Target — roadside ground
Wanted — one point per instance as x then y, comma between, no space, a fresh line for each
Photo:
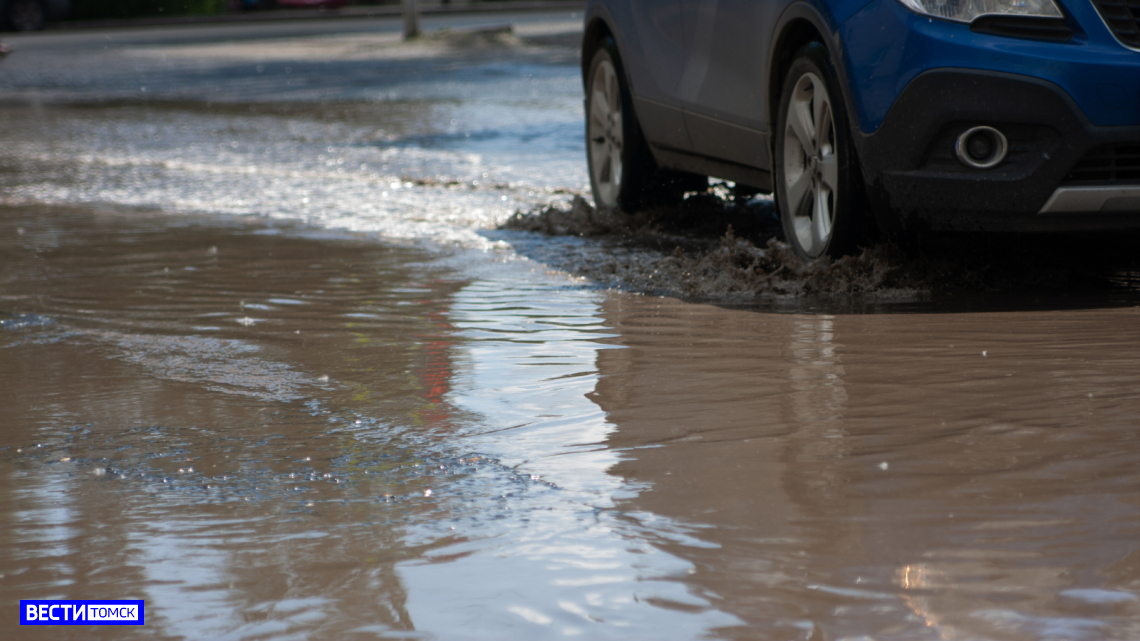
355,12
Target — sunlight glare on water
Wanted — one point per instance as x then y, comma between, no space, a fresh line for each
434,168
525,371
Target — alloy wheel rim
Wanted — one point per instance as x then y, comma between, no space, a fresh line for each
604,134
811,169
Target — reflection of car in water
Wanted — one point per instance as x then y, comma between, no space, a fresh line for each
31,15
948,114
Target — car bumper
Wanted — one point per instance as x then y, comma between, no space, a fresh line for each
916,83
1061,172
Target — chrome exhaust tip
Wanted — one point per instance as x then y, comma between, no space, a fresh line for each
981,147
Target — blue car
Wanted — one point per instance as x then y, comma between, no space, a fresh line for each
985,115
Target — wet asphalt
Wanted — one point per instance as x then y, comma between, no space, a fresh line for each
274,360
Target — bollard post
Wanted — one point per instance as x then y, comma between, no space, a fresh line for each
411,20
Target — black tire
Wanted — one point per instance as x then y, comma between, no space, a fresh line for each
819,187
26,15
623,173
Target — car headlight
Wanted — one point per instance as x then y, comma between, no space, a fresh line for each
968,10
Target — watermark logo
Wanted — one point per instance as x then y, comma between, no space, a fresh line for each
81,612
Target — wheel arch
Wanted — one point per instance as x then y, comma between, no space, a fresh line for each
800,24
597,29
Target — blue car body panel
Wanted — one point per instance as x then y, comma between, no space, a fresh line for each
1096,71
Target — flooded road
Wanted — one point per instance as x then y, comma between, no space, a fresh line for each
269,364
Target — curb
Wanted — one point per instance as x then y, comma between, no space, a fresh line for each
354,12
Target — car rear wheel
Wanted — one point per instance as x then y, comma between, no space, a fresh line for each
818,183
623,172
605,131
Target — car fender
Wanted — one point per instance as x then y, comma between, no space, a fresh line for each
597,13
785,42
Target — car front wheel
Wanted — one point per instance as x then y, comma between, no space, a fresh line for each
818,183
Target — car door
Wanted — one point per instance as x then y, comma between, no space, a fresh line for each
655,54
722,84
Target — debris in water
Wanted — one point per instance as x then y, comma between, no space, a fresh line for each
580,220
713,248
728,268
884,465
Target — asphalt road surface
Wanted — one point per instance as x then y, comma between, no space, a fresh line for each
275,359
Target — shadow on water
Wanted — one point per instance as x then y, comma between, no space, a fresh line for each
713,250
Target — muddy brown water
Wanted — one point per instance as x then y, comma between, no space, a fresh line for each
359,408
272,431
